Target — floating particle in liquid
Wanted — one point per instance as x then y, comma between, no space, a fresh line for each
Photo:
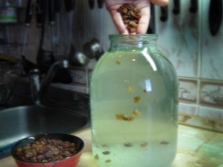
137,112
144,144
107,161
104,145
164,142
120,116
130,89
106,152
137,99
96,156
123,117
130,118
128,144
118,62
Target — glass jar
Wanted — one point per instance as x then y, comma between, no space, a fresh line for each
134,104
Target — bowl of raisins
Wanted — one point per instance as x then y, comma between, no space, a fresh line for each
48,150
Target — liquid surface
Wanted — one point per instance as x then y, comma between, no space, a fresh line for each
134,111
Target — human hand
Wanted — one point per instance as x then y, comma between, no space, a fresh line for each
143,5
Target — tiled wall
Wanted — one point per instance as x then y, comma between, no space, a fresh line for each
184,38
197,57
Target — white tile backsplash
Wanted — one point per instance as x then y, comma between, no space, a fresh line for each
197,57
179,38
212,50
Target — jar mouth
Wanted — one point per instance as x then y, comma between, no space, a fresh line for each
133,37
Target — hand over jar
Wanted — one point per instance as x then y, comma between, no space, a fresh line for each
143,6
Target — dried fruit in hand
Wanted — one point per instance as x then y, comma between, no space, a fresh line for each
130,16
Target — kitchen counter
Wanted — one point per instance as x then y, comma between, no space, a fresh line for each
196,148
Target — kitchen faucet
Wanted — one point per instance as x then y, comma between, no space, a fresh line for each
38,89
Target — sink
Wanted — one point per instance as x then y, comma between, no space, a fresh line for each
23,121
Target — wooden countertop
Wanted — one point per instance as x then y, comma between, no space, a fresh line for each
196,148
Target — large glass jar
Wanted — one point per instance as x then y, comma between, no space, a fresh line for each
134,104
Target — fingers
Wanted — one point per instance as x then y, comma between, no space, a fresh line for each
117,19
160,2
144,21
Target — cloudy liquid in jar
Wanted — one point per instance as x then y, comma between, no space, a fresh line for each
133,114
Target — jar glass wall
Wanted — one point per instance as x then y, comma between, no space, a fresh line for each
134,104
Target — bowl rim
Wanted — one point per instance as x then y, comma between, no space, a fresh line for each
32,138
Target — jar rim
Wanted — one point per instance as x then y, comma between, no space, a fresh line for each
135,37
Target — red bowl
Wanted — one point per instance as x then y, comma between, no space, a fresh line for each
71,161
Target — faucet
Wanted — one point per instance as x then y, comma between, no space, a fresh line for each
38,89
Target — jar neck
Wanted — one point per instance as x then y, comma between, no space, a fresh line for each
136,41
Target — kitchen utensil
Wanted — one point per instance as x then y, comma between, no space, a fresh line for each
91,48
58,4
100,52
40,14
51,12
164,13
56,38
100,3
91,4
27,65
29,13
215,16
45,58
69,7
61,141
151,28
62,75
52,22
51,19
76,58
193,6
176,7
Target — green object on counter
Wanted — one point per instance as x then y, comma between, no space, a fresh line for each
134,104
